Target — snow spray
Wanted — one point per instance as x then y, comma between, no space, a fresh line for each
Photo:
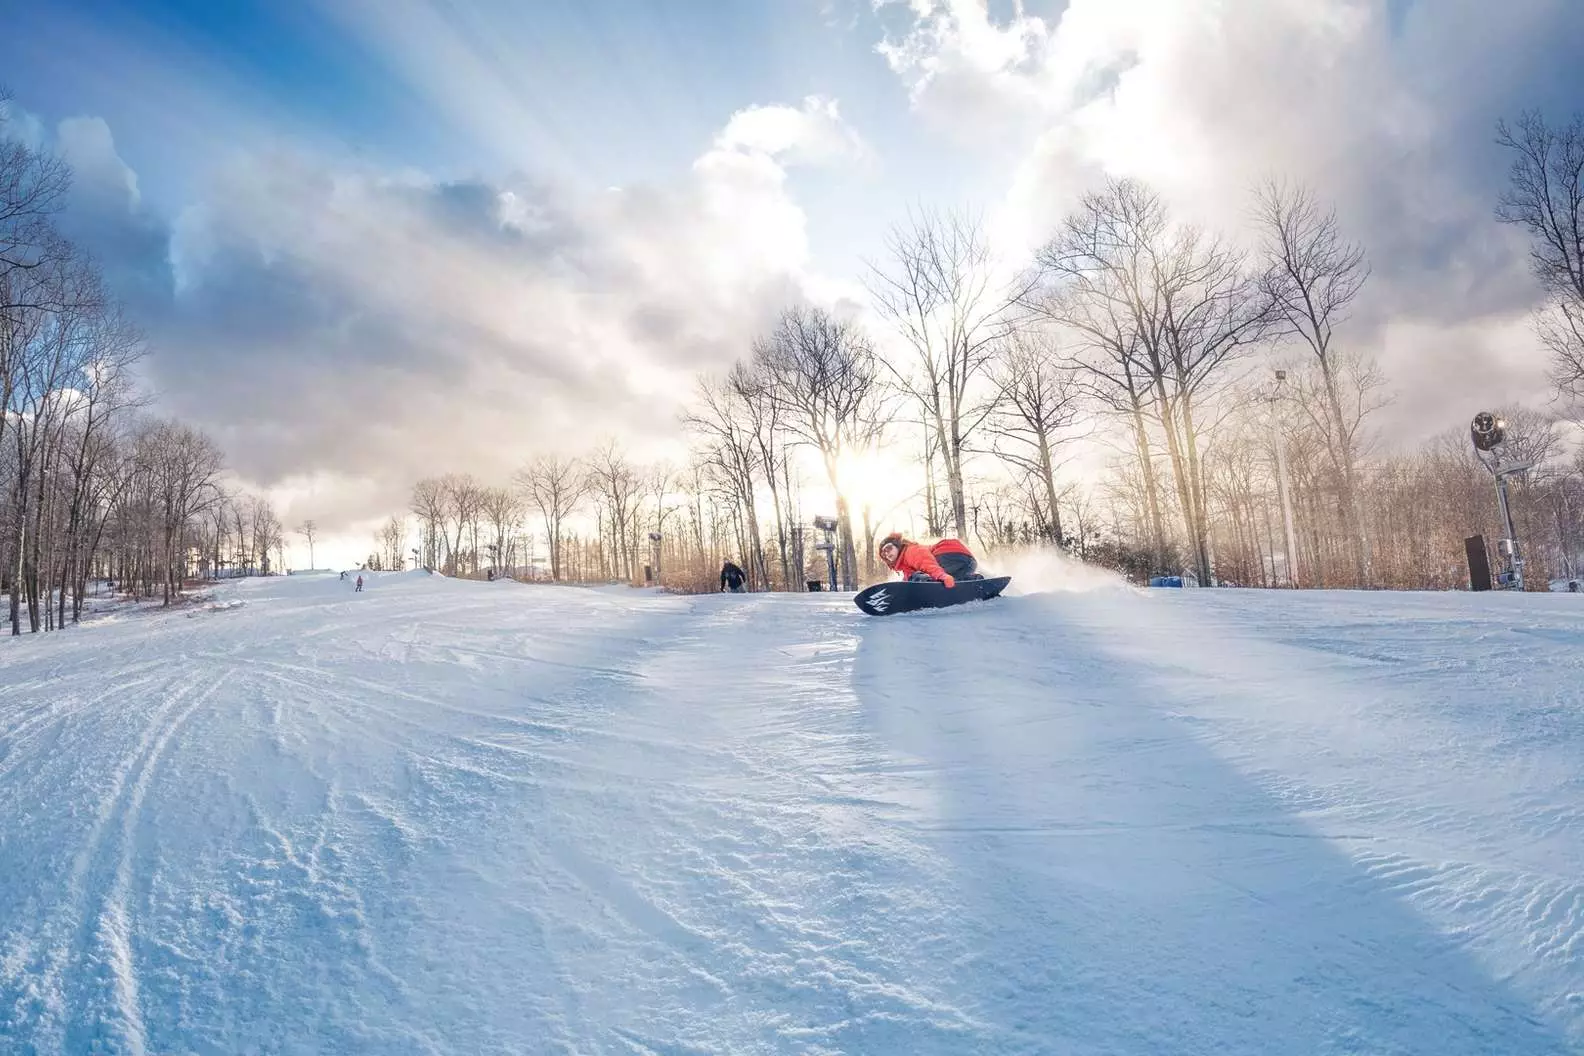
1046,569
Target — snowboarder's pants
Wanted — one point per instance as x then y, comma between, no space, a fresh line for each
958,566
736,588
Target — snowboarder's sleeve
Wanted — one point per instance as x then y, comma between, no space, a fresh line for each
921,559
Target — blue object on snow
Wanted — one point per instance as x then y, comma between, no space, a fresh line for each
1166,581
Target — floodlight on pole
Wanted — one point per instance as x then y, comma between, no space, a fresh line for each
828,525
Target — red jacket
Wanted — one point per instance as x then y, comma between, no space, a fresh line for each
916,558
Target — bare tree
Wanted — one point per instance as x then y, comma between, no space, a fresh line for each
612,478
183,466
555,485
464,501
942,292
1311,276
1561,332
1545,198
1040,400
823,372
1097,261
267,532
763,416
392,538
33,188
1179,304
308,530
731,456
503,510
47,351
105,394
660,483
429,505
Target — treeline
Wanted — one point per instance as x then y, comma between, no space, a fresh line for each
1216,371
1214,375
1240,416
91,489
1300,458
600,517
814,382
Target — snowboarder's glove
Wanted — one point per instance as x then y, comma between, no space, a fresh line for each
948,580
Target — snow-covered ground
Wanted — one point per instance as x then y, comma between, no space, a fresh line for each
446,817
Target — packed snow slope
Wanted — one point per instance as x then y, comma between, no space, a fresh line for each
449,817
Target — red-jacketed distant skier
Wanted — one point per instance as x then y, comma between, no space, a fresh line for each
947,561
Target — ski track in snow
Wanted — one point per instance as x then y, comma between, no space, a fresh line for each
446,817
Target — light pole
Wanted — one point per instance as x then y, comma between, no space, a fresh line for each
828,526
1282,489
1489,433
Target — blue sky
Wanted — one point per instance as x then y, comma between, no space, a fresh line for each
513,226
602,92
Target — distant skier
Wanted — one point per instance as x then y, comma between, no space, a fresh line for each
733,577
947,561
359,588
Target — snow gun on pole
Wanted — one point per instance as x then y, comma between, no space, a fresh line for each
1489,433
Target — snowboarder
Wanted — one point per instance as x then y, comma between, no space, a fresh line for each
947,561
732,576
359,588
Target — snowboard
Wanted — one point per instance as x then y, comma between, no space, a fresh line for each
888,599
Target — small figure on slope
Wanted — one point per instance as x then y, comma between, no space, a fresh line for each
947,561
733,577
359,588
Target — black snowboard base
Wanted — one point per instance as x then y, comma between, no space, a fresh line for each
888,599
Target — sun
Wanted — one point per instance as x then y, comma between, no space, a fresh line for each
876,480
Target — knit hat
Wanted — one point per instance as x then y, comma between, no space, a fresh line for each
894,539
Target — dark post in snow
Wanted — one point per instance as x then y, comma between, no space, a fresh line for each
1488,432
828,526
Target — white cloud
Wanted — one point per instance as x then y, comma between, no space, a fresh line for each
1386,113
814,133
956,57
20,125
88,147
339,322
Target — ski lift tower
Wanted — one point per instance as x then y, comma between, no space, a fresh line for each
828,547
1489,433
